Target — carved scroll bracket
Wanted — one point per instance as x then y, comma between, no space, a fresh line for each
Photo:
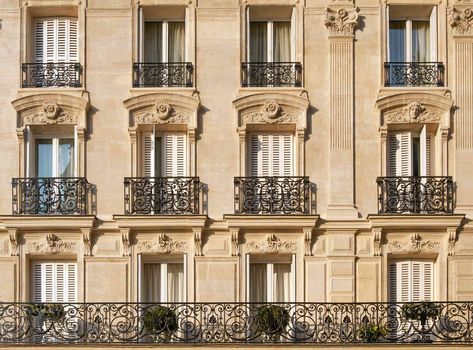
377,235
126,245
87,239
235,232
13,237
308,241
197,241
452,239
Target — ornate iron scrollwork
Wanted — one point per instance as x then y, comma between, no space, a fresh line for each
271,74
176,74
414,74
51,75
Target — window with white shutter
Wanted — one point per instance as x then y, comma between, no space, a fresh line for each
54,282
164,154
56,40
411,281
270,154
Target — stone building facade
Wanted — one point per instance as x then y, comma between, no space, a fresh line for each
291,151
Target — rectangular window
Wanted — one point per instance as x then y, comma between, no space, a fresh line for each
163,282
411,281
270,154
56,40
164,154
54,282
54,157
164,41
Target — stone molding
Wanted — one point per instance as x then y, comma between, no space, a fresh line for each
461,21
415,245
271,245
52,244
413,112
341,21
163,244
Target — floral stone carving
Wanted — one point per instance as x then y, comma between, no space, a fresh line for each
163,244
462,21
272,112
50,113
52,244
414,112
413,246
272,244
341,21
162,112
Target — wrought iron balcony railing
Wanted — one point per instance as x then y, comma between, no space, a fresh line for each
236,323
50,196
162,195
414,74
51,75
271,74
415,195
272,195
176,74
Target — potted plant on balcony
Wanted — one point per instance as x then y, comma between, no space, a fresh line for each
272,320
46,312
421,312
370,332
162,321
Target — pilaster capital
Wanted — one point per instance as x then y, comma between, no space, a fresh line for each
341,22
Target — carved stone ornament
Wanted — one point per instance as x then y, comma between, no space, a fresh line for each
272,113
163,244
377,235
462,21
341,21
162,112
414,246
52,244
272,244
414,112
50,113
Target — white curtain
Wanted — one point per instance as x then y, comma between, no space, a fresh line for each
153,42
282,41
397,41
420,41
258,281
282,283
175,283
258,42
176,42
151,280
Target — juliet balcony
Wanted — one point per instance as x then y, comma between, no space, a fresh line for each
271,74
176,74
210,324
415,195
272,195
162,195
47,75
414,74
50,196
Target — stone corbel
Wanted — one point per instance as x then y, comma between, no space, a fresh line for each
126,246
452,239
13,236
341,21
197,241
87,238
235,241
377,235
307,241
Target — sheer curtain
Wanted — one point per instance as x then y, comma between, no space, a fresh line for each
420,41
44,158
175,283
153,42
151,280
258,42
282,41
258,290
397,41
282,283
66,157
176,42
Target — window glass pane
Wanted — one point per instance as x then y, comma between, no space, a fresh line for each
258,281
258,42
281,283
397,41
415,156
282,41
66,158
151,283
158,156
153,42
176,42
420,41
175,283
44,158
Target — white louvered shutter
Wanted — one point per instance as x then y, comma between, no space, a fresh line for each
392,282
264,161
73,41
148,154
271,155
410,281
56,40
54,282
392,155
429,154
399,154
255,147
174,155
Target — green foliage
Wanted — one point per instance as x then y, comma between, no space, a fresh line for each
53,312
160,319
272,319
370,332
420,311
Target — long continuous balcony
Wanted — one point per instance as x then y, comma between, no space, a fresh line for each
162,195
271,74
272,195
176,74
415,195
236,323
45,75
50,196
411,74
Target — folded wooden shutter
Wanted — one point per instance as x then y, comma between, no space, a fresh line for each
410,281
399,154
174,155
392,282
56,40
148,154
429,154
54,282
255,146
271,155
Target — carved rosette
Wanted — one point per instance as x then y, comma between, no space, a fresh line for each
414,246
50,113
271,113
51,244
341,21
414,112
462,21
272,244
162,112
163,245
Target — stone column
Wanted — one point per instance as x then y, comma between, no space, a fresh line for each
461,20
341,23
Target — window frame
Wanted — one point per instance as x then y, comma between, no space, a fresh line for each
164,40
